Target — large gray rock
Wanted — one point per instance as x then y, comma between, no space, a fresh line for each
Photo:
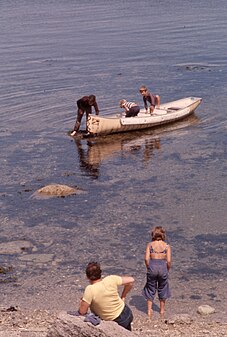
74,326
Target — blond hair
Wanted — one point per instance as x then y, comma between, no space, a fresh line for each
158,233
122,102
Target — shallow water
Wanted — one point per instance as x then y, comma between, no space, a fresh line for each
52,53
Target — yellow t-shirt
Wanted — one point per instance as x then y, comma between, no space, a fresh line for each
104,299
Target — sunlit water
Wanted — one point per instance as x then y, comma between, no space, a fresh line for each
54,52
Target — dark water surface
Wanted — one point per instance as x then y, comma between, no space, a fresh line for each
52,53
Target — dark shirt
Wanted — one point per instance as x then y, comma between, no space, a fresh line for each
83,104
149,98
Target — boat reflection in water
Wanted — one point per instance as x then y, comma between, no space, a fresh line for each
92,151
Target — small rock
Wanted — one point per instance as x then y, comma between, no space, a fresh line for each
4,270
205,309
12,308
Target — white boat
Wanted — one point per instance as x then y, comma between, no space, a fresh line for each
166,113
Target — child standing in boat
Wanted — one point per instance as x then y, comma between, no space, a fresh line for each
131,109
152,99
158,263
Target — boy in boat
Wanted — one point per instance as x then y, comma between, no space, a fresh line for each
153,100
84,104
131,109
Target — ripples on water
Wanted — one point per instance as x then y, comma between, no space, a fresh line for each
56,51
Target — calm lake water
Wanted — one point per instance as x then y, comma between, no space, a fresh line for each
52,53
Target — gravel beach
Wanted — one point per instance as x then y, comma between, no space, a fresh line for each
35,323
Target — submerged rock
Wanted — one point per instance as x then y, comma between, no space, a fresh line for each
37,258
15,247
56,190
5,270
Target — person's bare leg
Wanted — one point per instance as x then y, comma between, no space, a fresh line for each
158,101
76,128
149,308
162,307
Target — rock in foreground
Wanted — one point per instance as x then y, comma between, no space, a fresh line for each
74,326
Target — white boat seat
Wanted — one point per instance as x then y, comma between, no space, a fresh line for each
160,111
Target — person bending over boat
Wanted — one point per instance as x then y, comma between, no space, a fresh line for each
101,295
152,99
84,104
131,109
158,263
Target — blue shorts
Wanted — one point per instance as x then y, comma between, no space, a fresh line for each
125,318
157,280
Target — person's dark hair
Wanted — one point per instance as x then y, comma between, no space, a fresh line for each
158,233
143,88
93,271
91,99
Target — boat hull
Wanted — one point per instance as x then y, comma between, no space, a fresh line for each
167,113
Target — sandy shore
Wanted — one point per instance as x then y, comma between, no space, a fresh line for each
29,308
35,323
23,315
34,292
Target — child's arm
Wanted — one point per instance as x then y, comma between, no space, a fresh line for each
168,257
125,107
145,103
147,255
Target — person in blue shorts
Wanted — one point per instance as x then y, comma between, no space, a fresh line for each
158,263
